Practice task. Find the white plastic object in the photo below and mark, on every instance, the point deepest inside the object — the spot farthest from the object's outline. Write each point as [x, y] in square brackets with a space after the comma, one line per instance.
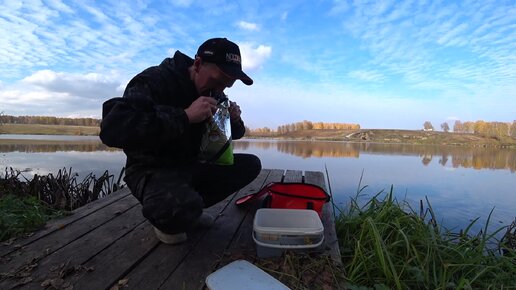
[242, 275]
[287, 228]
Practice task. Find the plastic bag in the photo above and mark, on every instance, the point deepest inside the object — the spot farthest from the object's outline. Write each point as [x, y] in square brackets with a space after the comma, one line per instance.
[216, 143]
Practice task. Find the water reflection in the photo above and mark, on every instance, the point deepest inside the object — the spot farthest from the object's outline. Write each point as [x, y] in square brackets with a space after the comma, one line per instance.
[466, 157]
[29, 146]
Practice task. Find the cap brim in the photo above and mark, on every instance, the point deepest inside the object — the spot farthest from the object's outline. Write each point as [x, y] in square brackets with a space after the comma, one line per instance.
[236, 73]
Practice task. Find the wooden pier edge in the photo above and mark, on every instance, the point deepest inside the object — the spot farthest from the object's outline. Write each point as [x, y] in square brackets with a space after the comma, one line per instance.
[108, 244]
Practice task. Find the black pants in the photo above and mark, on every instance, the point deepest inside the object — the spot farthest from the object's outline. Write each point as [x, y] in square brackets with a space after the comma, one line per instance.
[173, 198]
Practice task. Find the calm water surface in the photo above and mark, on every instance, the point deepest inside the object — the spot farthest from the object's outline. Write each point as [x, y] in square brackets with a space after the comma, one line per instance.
[461, 183]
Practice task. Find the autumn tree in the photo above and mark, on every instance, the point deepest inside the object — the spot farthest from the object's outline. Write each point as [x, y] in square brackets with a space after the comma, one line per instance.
[513, 129]
[428, 126]
[469, 127]
[480, 127]
[445, 127]
[458, 127]
[307, 125]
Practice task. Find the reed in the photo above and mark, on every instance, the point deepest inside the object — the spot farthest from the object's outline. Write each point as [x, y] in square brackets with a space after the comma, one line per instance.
[386, 244]
[27, 204]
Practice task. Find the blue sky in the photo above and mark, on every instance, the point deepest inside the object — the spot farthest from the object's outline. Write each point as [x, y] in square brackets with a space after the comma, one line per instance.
[381, 64]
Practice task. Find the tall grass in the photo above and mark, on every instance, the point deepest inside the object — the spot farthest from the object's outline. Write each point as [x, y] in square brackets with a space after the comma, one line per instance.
[27, 204]
[19, 215]
[386, 244]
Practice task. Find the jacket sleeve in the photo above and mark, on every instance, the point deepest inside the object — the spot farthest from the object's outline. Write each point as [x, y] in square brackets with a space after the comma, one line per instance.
[136, 121]
[237, 129]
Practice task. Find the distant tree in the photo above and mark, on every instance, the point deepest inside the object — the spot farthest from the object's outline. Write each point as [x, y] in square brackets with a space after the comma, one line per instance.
[498, 129]
[480, 127]
[427, 126]
[458, 127]
[307, 125]
[513, 129]
[469, 127]
[445, 127]
[247, 131]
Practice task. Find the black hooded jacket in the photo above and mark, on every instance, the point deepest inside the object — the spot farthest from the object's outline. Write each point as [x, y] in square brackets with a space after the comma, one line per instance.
[149, 122]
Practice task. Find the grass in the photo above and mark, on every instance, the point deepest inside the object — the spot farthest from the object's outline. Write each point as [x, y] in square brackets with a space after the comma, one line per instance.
[20, 215]
[385, 244]
[25, 205]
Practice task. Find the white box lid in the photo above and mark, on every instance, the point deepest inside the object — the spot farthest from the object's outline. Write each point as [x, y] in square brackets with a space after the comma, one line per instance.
[242, 275]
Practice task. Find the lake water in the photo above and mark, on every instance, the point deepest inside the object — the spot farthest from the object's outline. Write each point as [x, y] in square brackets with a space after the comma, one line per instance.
[461, 183]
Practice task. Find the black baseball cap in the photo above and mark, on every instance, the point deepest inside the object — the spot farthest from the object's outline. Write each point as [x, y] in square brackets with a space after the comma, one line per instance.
[226, 55]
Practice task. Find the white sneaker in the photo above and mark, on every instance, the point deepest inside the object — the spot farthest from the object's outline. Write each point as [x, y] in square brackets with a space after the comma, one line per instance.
[170, 239]
[204, 221]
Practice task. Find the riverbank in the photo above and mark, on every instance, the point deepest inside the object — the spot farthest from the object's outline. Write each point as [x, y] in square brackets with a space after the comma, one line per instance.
[37, 129]
[363, 135]
[395, 136]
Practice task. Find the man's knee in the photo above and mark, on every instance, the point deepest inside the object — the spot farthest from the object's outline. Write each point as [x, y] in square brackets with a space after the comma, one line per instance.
[170, 203]
[249, 163]
[173, 211]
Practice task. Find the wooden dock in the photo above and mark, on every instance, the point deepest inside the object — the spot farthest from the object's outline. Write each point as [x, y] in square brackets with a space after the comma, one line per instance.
[109, 244]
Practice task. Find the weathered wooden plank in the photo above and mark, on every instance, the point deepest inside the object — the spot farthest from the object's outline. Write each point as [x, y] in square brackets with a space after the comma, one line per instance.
[293, 176]
[242, 246]
[211, 247]
[331, 242]
[115, 260]
[152, 271]
[68, 259]
[58, 224]
[56, 240]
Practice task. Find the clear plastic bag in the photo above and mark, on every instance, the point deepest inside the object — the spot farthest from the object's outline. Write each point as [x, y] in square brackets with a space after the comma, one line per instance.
[216, 143]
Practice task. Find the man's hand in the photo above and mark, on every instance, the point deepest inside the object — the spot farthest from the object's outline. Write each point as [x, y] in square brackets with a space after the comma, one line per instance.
[201, 109]
[234, 111]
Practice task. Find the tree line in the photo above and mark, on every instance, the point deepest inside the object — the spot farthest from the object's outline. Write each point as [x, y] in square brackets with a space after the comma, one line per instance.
[491, 129]
[306, 125]
[48, 120]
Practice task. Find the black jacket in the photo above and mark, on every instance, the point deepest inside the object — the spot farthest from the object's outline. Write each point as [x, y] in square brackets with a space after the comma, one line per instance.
[149, 122]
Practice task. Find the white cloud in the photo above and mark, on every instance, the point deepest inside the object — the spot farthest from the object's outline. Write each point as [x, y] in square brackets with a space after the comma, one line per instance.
[435, 47]
[61, 94]
[366, 75]
[181, 3]
[339, 6]
[254, 57]
[37, 36]
[284, 16]
[248, 26]
[91, 85]
[60, 6]
[37, 101]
